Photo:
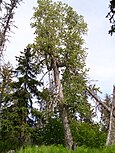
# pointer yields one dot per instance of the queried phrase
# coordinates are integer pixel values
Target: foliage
(16, 110)
(25, 90)
(88, 134)
(59, 31)
(111, 16)
(7, 130)
(84, 133)
(6, 77)
(50, 133)
(58, 41)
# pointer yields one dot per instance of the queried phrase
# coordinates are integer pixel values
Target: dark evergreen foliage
(111, 16)
(16, 111)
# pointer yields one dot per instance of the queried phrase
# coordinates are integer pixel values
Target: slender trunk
(62, 108)
(67, 131)
(108, 141)
(111, 131)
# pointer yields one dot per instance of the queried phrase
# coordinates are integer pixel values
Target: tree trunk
(62, 108)
(111, 131)
(67, 131)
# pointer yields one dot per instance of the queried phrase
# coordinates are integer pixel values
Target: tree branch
(99, 101)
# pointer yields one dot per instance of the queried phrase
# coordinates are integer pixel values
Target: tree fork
(63, 111)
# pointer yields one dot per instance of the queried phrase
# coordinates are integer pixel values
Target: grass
(61, 149)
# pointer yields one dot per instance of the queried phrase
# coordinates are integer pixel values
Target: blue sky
(101, 46)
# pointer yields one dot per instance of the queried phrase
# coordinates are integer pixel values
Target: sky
(101, 47)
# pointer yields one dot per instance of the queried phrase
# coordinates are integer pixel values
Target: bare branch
(98, 100)
(44, 75)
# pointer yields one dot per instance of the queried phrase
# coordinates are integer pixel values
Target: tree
(25, 91)
(111, 16)
(7, 9)
(7, 131)
(108, 114)
(59, 42)
(18, 96)
(6, 76)
(105, 116)
(111, 129)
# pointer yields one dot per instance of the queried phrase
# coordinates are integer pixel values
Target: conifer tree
(6, 124)
(19, 91)
(25, 91)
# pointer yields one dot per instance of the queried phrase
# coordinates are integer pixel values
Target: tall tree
(7, 10)
(18, 99)
(6, 125)
(25, 90)
(59, 30)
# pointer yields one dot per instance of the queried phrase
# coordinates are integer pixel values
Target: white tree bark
(111, 130)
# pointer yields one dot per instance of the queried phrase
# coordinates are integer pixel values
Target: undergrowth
(61, 149)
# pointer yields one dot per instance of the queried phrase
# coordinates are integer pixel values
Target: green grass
(61, 149)
(45, 149)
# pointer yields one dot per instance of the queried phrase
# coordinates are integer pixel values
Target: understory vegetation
(61, 149)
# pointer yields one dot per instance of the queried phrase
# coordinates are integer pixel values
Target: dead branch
(98, 100)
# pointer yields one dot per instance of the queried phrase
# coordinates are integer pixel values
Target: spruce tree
(7, 132)
(25, 92)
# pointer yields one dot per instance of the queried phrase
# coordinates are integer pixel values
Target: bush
(88, 134)
(51, 133)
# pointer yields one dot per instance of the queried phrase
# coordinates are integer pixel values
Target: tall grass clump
(61, 149)
(45, 149)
